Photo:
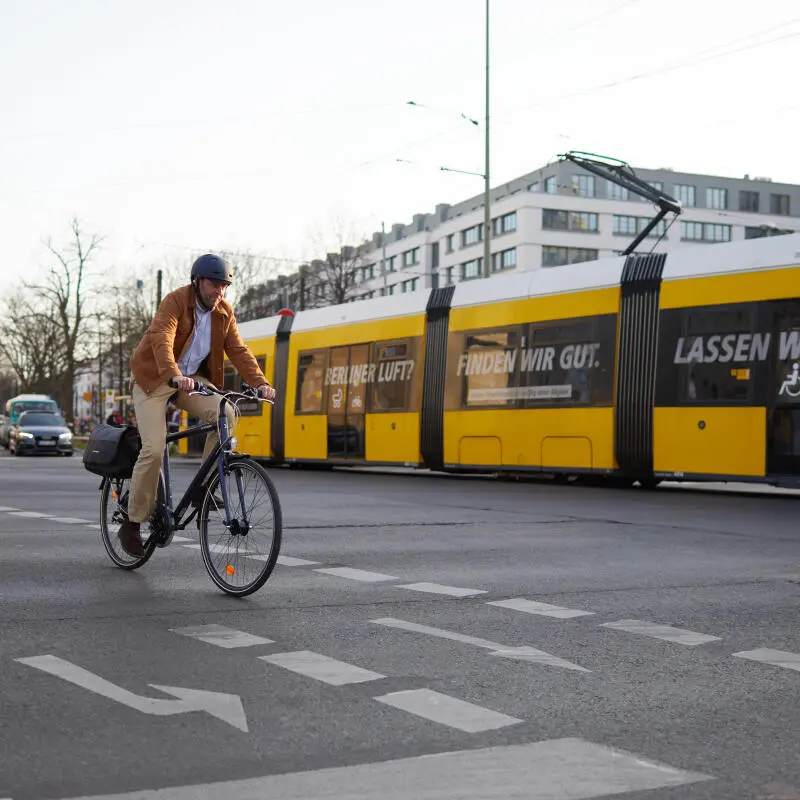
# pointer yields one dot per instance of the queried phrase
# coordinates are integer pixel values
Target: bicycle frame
(216, 457)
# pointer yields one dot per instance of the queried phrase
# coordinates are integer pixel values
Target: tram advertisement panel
(563, 363)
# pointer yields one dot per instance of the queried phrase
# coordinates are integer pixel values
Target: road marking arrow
(517, 653)
(227, 707)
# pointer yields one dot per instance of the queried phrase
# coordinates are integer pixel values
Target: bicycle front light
(233, 443)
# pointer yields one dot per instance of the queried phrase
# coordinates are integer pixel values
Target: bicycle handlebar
(199, 388)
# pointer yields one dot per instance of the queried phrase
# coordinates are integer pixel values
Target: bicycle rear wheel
(113, 512)
(240, 556)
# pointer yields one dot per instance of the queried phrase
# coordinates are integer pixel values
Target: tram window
(394, 378)
(483, 365)
(232, 380)
(716, 355)
(310, 381)
(569, 362)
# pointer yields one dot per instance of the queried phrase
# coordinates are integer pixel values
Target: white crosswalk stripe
(322, 668)
(356, 574)
(438, 588)
(665, 632)
(221, 636)
(446, 710)
(557, 769)
(542, 609)
(776, 658)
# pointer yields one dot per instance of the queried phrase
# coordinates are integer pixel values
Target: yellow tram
(640, 368)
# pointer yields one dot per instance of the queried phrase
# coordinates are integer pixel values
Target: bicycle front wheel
(241, 554)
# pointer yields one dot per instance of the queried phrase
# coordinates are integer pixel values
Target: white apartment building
(562, 214)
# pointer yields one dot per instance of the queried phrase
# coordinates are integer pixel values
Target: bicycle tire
(239, 558)
(118, 506)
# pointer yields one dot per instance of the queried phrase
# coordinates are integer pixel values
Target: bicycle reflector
(229, 569)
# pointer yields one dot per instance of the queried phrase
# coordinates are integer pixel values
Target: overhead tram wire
(697, 58)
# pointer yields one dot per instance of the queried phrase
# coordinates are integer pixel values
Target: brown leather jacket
(156, 358)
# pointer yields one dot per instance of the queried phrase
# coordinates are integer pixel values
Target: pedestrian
(191, 333)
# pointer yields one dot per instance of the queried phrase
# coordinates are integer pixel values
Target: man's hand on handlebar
(266, 392)
(183, 383)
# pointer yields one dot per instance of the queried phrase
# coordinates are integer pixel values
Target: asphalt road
(427, 637)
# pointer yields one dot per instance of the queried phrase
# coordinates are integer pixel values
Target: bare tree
(32, 347)
(332, 279)
(64, 291)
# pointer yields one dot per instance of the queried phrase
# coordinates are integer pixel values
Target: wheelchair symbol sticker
(337, 398)
(791, 385)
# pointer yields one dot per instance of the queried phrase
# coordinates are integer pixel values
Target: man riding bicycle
(192, 331)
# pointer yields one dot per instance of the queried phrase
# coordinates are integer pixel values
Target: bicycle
(238, 514)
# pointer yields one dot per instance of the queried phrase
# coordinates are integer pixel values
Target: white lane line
(542, 609)
(524, 653)
(447, 710)
(291, 561)
(438, 588)
(221, 636)
(221, 548)
(776, 658)
(181, 539)
(357, 574)
(70, 520)
(322, 668)
(95, 525)
(8, 508)
(665, 632)
(559, 769)
(28, 514)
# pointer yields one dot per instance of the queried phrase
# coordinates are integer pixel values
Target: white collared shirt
(201, 342)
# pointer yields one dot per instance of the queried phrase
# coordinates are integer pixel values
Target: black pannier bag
(112, 450)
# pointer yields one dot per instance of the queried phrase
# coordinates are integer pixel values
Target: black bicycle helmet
(212, 267)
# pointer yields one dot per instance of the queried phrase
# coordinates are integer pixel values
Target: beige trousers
(151, 411)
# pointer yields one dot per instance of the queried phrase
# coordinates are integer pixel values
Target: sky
(170, 127)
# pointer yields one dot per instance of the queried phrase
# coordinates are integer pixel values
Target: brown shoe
(130, 539)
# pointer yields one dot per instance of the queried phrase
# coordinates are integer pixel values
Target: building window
(504, 224)
(506, 259)
(434, 255)
(471, 269)
(391, 262)
(659, 230)
(657, 185)
(705, 232)
(534, 187)
(716, 198)
(713, 232)
(692, 231)
(779, 204)
(390, 289)
(472, 235)
(448, 276)
(451, 242)
(616, 192)
(684, 194)
(559, 256)
(411, 257)
(410, 285)
(556, 220)
(623, 225)
(583, 185)
(748, 201)
(550, 185)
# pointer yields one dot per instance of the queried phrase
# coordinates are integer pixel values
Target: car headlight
(65, 437)
(24, 435)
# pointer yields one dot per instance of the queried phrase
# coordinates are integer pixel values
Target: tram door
(783, 412)
(347, 401)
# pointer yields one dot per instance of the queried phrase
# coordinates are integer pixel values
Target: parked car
(40, 432)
